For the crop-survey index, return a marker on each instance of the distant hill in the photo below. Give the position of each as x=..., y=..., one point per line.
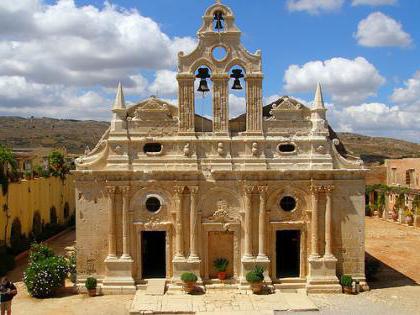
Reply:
x=75, y=135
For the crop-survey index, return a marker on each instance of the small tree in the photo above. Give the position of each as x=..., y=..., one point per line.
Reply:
x=57, y=164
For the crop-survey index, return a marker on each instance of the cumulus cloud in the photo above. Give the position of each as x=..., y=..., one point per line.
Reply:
x=237, y=105
x=165, y=83
x=314, y=6
x=380, y=30
x=347, y=81
x=374, y=2
x=409, y=96
x=49, y=47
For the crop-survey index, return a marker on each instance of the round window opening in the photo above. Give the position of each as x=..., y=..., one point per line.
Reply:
x=153, y=204
x=288, y=203
x=219, y=53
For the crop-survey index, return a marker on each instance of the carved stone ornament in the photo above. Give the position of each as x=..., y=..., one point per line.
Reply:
x=153, y=111
x=287, y=109
x=220, y=148
x=223, y=213
x=320, y=149
x=255, y=149
x=187, y=150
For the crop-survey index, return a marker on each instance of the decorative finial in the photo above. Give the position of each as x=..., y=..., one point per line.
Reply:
x=219, y=1
x=119, y=102
x=319, y=99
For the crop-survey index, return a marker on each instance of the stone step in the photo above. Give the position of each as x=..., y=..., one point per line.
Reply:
x=155, y=286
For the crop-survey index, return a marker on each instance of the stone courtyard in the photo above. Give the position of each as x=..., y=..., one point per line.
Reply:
x=395, y=291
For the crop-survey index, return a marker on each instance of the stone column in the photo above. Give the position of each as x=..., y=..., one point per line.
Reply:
x=179, y=235
x=112, y=245
x=314, y=222
x=261, y=223
x=220, y=103
x=248, y=222
x=328, y=222
x=125, y=227
x=254, y=103
x=193, y=224
x=186, y=107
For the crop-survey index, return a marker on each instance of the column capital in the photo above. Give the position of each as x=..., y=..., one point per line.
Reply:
x=329, y=189
x=250, y=189
x=193, y=189
x=110, y=190
x=179, y=189
x=220, y=77
x=125, y=190
x=262, y=190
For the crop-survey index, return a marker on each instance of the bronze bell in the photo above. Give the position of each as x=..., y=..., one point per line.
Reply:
x=237, y=74
x=203, y=75
x=218, y=17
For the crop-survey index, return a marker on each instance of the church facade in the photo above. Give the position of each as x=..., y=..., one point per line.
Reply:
x=167, y=191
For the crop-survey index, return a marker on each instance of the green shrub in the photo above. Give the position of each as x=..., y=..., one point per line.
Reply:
x=40, y=252
x=346, y=280
x=189, y=277
x=220, y=264
x=256, y=275
x=42, y=278
x=91, y=283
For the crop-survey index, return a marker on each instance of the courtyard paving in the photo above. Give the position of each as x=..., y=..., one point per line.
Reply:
x=396, y=289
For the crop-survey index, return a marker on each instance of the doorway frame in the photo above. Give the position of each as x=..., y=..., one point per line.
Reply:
x=159, y=227
x=141, y=251
x=284, y=226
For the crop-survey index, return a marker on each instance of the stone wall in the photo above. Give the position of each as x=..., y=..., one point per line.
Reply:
x=36, y=195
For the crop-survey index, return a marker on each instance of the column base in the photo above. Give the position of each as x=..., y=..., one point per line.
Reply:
x=118, y=277
x=322, y=275
x=249, y=263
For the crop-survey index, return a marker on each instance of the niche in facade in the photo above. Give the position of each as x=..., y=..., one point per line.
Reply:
x=287, y=148
x=152, y=148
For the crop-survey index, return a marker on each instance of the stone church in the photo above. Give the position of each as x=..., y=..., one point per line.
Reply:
x=167, y=191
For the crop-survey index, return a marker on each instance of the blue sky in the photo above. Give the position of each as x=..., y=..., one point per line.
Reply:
x=64, y=58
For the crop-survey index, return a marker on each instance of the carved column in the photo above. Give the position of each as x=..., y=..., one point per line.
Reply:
x=314, y=222
x=193, y=224
x=125, y=225
x=112, y=245
x=254, y=103
x=328, y=222
x=262, y=222
x=179, y=235
x=186, y=107
x=220, y=103
x=248, y=221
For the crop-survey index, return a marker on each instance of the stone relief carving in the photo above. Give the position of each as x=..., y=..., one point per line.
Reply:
x=223, y=213
x=153, y=111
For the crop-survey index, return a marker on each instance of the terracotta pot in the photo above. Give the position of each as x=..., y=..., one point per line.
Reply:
x=257, y=287
x=189, y=287
x=394, y=216
x=409, y=220
x=347, y=290
x=221, y=275
x=92, y=292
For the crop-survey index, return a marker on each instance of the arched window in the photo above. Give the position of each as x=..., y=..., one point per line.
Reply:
x=36, y=225
x=203, y=99
x=66, y=210
x=237, y=99
x=53, y=215
x=16, y=235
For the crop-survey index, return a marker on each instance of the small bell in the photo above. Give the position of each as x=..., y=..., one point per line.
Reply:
x=237, y=74
x=218, y=17
x=203, y=75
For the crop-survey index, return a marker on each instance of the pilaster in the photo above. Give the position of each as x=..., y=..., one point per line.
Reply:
x=186, y=103
x=254, y=103
x=220, y=103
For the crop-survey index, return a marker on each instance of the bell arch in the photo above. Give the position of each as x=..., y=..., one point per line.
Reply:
x=227, y=35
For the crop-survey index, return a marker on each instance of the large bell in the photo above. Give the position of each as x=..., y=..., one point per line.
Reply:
x=203, y=75
x=236, y=74
x=218, y=17
x=203, y=87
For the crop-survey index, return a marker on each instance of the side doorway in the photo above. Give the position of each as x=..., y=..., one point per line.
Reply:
x=153, y=254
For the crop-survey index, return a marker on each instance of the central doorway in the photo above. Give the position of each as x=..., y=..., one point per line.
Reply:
x=288, y=253
x=153, y=254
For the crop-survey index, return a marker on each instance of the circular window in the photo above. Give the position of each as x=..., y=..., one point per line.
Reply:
x=288, y=203
x=219, y=53
x=153, y=204
x=287, y=147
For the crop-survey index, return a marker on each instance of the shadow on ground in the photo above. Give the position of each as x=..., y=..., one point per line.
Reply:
x=387, y=277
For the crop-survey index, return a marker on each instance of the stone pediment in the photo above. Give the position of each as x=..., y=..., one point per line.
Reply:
x=153, y=110
x=287, y=109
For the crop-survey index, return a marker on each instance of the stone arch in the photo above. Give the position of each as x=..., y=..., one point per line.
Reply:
x=53, y=215
x=202, y=62
x=36, y=224
x=207, y=204
x=302, y=202
x=138, y=199
x=16, y=234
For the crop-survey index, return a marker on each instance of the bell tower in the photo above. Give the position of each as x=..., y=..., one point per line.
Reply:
x=220, y=32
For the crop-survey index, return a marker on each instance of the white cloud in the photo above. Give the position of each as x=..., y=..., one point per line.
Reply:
x=237, y=105
x=63, y=45
x=165, y=83
x=409, y=96
x=314, y=6
x=347, y=81
x=380, y=30
x=20, y=97
x=374, y=2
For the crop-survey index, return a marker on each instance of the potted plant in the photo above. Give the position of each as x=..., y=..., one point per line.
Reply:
x=189, y=279
x=346, y=282
x=220, y=264
x=256, y=278
x=90, y=285
x=409, y=216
